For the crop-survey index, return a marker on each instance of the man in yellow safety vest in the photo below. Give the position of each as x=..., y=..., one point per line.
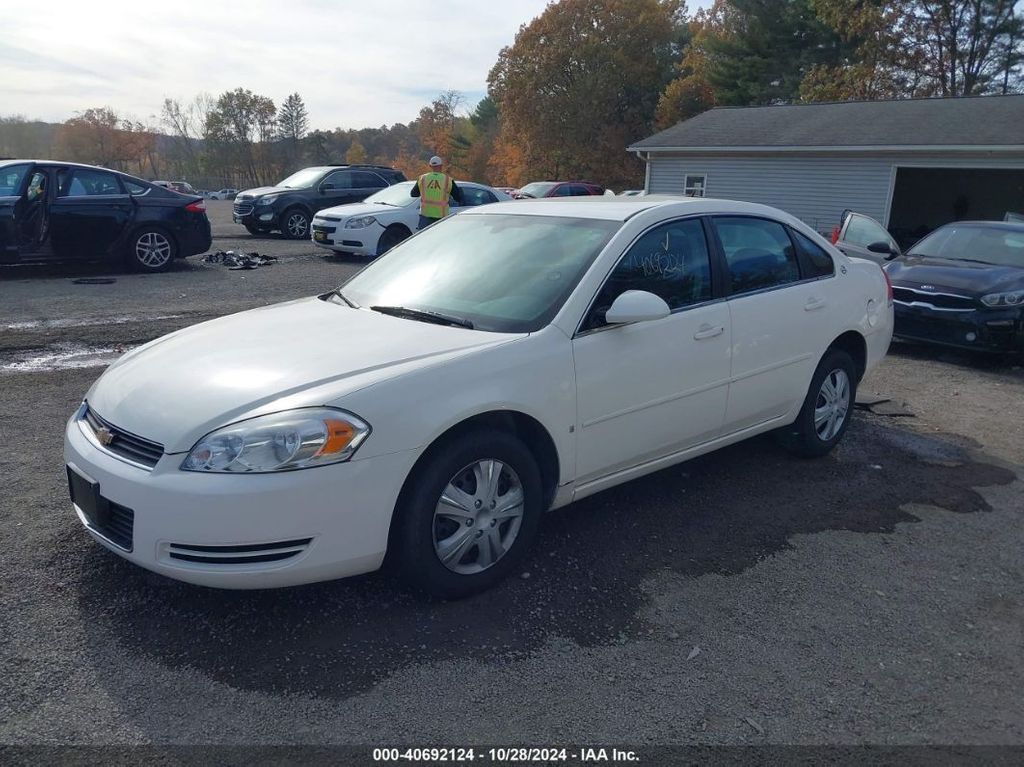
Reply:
x=434, y=189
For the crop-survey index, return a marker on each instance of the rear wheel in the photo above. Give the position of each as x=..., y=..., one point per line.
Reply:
x=827, y=409
x=295, y=224
x=468, y=516
x=393, y=235
x=151, y=250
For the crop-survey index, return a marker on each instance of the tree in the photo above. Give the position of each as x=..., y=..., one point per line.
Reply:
x=438, y=129
x=292, y=126
x=580, y=83
x=691, y=92
x=356, y=154
x=239, y=120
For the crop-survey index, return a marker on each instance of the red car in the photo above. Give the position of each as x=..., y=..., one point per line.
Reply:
x=540, y=189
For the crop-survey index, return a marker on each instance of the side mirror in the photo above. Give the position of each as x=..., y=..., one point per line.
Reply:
x=883, y=248
x=326, y=187
x=636, y=306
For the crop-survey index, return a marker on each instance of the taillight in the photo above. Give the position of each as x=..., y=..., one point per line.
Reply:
x=888, y=287
x=196, y=207
x=835, y=235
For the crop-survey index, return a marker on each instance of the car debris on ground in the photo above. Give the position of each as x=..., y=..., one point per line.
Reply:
x=234, y=260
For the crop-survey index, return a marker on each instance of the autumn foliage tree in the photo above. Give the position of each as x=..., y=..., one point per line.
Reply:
x=579, y=84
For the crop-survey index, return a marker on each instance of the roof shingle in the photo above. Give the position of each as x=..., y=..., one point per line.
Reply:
x=974, y=121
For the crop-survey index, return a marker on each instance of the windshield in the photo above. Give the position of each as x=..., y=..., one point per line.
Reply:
x=537, y=188
x=502, y=272
x=303, y=179
x=394, y=195
x=989, y=244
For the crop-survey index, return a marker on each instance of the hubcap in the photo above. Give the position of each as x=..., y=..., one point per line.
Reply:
x=297, y=225
x=478, y=516
x=832, y=405
x=153, y=249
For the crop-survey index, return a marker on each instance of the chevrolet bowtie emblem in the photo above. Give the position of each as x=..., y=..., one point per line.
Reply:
x=104, y=435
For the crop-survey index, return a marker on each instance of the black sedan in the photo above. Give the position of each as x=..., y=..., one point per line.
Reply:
x=59, y=211
x=963, y=285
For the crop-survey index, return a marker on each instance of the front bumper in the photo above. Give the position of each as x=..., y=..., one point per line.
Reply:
x=333, y=236
x=256, y=216
x=244, y=531
x=990, y=330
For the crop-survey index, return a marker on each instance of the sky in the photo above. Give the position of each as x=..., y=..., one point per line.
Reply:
x=356, y=63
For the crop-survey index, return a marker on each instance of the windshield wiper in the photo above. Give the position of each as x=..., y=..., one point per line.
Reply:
x=945, y=258
x=425, y=316
x=337, y=292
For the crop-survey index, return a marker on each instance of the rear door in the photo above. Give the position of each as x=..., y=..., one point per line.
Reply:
x=472, y=196
x=366, y=183
x=779, y=313
x=91, y=213
x=858, y=232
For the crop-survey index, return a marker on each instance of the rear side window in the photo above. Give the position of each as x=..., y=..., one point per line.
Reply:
x=88, y=183
x=366, y=180
x=758, y=252
x=670, y=261
x=814, y=261
x=471, y=196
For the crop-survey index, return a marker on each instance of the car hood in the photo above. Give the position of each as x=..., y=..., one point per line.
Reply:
x=359, y=209
x=303, y=353
x=262, y=191
x=965, y=277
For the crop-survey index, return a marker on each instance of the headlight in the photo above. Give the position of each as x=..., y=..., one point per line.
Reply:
x=359, y=223
x=1013, y=298
x=265, y=200
x=294, y=439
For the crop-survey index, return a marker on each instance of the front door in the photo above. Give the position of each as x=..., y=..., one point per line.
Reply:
x=338, y=188
x=858, y=232
x=90, y=215
x=13, y=180
x=649, y=389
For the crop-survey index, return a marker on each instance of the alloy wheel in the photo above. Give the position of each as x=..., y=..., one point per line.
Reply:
x=153, y=250
x=832, y=405
x=478, y=517
x=297, y=225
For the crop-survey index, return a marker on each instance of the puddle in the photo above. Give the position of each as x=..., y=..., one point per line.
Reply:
x=65, y=356
x=83, y=322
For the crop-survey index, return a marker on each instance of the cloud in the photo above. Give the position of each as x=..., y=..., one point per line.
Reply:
x=356, y=64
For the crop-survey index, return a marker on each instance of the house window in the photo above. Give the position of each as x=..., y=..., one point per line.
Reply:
x=694, y=185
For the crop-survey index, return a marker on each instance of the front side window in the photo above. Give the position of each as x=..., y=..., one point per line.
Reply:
x=694, y=185
x=502, y=272
x=863, y=231
x=36, y=187
x=88, y=183
x=11, y=177
x=671, y=261
x=342, y=179
x=758, y=252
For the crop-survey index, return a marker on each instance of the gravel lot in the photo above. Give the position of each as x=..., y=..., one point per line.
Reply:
x=874, y=596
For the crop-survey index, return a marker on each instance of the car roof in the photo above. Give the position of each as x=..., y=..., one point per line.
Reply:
x=61, y=163
x=615, y=208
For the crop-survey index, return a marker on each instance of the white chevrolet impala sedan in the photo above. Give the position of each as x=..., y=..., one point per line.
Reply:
x=504, y=362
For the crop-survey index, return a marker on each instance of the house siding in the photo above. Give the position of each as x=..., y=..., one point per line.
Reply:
x=815, y=188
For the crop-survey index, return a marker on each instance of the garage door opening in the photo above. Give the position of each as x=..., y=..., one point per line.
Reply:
x=926, y=198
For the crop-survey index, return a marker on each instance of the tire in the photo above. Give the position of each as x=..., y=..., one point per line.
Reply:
x=254, y=231
x=426, y=528
x=295, y=224
x=151, y=249
x=391, y=236
x=827, y=409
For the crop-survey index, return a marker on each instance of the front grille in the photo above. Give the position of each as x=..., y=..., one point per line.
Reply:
x=232, y=556
x=242, y=209
x=122, y=443
x=947, y=302
x=119, y=526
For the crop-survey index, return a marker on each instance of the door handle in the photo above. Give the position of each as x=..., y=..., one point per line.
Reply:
x=707, y=331
x=814, y=303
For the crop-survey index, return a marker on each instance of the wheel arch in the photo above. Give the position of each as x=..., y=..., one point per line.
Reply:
x=854, y=344
x=525, y=427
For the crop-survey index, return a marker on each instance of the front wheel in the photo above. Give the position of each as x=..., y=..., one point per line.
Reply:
x=151, y=250
x=391, y=236
x=827, y=409
x=468, y=516
x=254, y=230
x=295, y=224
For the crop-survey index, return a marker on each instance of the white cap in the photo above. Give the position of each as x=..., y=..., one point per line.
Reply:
x=436, y=161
